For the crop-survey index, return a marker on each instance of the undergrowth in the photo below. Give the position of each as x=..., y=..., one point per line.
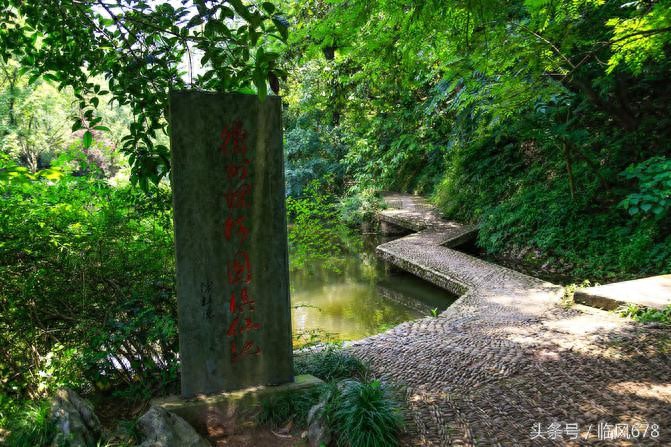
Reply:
x=329, y=363
x=364, y=414
x=646, y=315
x=359, y=411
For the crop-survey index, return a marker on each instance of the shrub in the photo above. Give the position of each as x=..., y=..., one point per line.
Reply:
x=329, y=363
x=654, y=195
x=518, y=191
x=359, y=205
x=364, y=414
x=316, y=236
x=291, y=406
x=30, y=425
x=646, y=315
x=86, y=287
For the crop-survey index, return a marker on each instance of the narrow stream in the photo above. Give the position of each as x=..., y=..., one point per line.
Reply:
x=362, y=299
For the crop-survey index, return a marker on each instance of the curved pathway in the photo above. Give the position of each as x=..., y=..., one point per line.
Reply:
x=506, y=365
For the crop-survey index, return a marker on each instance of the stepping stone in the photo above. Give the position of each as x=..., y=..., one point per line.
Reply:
x=652, y=292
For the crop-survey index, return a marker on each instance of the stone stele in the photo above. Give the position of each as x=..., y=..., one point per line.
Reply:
x=231, y=242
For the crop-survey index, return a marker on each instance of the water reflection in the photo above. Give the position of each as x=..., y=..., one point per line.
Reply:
x=362, y=299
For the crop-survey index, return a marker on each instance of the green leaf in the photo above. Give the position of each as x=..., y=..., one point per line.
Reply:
x=195, y=21
x=282, y=26
x=51, y=77
x=260, y=84
x=87, y=139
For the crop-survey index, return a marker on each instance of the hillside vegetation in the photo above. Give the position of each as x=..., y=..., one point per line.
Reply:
x=546, y=121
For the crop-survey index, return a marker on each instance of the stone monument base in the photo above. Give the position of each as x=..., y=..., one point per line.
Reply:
x=226, y=413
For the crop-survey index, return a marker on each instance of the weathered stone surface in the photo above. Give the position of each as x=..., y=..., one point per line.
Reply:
x=318, y=433
x=231, y=243
x=76, y=423
x=506, y=356
x=653, y=292
x=223, y=412
x=161, y=428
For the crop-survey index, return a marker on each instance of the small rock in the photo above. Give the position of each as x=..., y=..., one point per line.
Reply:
x=160, y=428
x=76, y=423
x=318, y=433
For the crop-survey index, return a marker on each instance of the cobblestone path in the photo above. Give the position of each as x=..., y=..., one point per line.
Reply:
x=506, y=365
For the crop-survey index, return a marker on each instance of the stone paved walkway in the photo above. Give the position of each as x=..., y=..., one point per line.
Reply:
x=507, y=356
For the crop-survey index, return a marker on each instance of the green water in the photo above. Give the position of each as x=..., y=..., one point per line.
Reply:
x=362, y=299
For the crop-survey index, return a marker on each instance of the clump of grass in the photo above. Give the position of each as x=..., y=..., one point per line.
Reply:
x=279, y=409
x=567, y=300
x=358, y=412
x=645, y=315
x=364, y=414
x=329, y=363
x=30, y=425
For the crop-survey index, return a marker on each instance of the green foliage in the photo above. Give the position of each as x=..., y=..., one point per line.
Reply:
x=364, y=414
x=642, y=37
x=646, y=315
x=307, y=338
x=654, y=179
x=30, y=425
x=519, y=191
x=568, y=296
x=312, y=155
x=280, y=409
x=126, y=434
x=358, y=411
x=329, y=363
x=12, y=173
x=519, y=116
x=315, y=234
x=141, y=49
x=33, y=127
x=359, y=205
x=87, y=287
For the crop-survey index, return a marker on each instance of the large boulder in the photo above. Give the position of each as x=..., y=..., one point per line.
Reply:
x=319, y=434
x=76, y=423
x=161, y=428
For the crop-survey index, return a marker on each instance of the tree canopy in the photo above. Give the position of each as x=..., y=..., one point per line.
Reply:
x=142, y=50
x=520, y=115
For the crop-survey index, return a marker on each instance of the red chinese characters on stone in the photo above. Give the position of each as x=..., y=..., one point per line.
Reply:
x=239, y=170
x=233, y=139
x=236, y=226
x=243, y=303
x=248, y=348
x=239, y=269
x=237, y=198
x=238, y=328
